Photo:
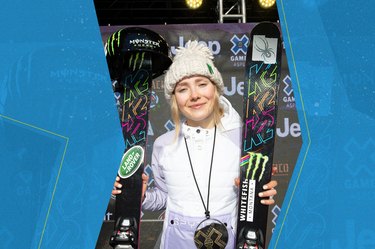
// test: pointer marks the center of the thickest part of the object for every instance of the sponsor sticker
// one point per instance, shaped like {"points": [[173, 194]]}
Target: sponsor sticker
{"points": [[264, 49], [251, 201], [131, 161]]}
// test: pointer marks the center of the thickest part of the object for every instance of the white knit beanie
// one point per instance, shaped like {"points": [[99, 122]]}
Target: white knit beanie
{"points": [[196, 59]]}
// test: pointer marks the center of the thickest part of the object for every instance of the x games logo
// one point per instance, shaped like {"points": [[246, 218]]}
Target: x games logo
{"points": [[239, 44], [239, 50]]}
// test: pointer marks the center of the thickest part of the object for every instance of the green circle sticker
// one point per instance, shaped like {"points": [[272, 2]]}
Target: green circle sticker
{"points": [[131, 161]]}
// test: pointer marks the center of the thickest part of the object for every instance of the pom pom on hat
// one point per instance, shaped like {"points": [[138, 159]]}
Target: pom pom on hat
{"points": [[192, 60]]}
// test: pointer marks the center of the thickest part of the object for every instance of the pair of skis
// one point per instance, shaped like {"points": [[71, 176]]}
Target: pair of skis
{"points": [[135, 56]]}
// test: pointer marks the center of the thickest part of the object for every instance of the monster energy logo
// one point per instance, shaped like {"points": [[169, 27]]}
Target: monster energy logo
{"points": [[111, 41], [145, 43], [115, 40], [256, 162], [137, 58], [256, 166]]}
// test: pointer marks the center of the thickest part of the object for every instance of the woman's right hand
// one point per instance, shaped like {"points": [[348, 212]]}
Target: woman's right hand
{"points": [[117, 186]]}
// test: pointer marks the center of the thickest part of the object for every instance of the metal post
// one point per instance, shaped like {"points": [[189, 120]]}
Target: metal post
{"points": [[228, 12]]}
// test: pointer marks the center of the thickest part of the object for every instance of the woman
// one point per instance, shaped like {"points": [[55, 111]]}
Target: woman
{"points": [[196, 166]]}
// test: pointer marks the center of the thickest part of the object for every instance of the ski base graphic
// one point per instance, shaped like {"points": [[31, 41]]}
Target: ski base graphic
{"points": [[259, 130]]}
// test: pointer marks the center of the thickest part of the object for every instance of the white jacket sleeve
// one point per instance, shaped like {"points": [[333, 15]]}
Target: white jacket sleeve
{"points": [[156, 197]]}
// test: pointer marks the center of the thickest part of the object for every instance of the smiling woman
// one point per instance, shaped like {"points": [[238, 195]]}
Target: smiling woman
{"points": [[195, 167], [193, 86], [195, 98]]}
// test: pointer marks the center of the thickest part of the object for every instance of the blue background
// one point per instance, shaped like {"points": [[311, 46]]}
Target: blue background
{"points": [[59, 135], [59, 131], [330, 49]]}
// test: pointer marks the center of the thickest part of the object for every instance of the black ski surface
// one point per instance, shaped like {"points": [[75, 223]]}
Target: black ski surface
{"points": [[263, 66], [134, 56]]}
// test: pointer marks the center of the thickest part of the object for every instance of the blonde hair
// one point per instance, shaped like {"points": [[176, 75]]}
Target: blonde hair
{"points": [[218, 112]]}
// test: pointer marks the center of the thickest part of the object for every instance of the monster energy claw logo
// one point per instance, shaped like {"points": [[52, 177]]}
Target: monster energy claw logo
{"points": [[138, 58], [254, 165], [131, 161], [111, 42]]}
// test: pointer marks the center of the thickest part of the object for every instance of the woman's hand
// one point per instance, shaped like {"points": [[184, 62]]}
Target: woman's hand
{"points": [[144, 185], [117, 186], [269, 188], [269, 192]]}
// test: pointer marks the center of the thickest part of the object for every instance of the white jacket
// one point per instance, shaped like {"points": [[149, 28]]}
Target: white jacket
{"points": [[175, 188]]}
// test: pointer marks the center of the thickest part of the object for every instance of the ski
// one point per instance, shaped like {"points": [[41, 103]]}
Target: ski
{"points": [[263, 66], [134, 56]]}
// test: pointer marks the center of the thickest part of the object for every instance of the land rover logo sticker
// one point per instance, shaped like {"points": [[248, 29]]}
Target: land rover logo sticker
{"points": [[131, 161]]}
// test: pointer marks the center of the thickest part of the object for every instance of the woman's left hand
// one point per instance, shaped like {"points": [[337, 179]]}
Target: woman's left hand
{"points": [[270, 191]]}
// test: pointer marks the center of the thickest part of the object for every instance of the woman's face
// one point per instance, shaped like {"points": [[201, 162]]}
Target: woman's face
{"points": [[195, 97]]}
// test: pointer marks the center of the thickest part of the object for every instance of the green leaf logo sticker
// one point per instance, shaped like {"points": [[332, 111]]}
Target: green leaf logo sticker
{"points": [[131, 161]]}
